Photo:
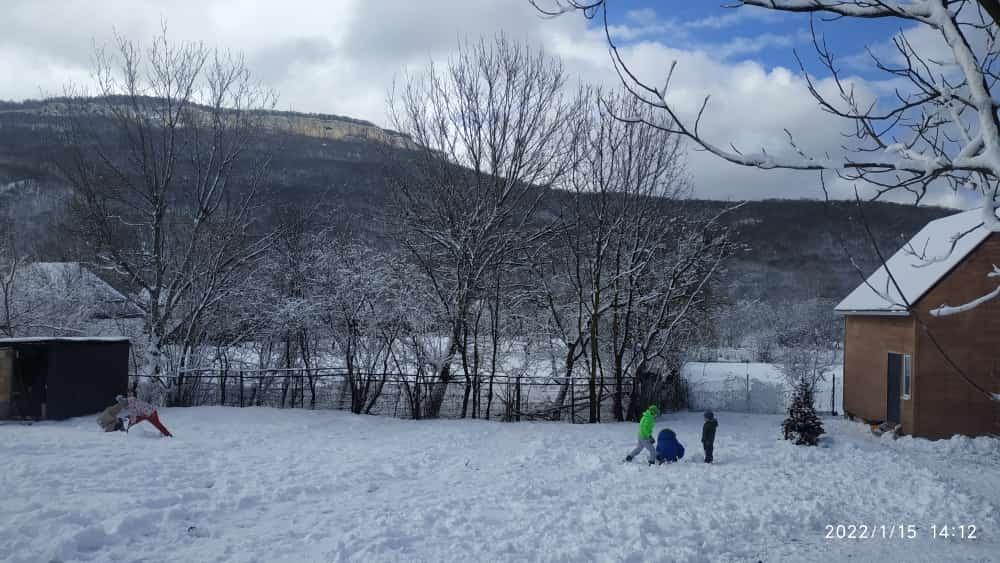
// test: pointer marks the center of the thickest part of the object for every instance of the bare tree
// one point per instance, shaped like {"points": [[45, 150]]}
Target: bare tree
{"points": [[621, 169], [367, 295], [561, 295], [627, 250], [490, 133], [11, 265], [167, 169]]}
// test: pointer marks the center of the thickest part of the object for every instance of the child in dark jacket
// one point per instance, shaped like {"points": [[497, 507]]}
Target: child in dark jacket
{"points": [[708, 435]]}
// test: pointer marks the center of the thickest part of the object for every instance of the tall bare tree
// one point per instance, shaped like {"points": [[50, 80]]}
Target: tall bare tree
{"points": [[167, 170], [490, 129], [629, 268], [621, 174]]}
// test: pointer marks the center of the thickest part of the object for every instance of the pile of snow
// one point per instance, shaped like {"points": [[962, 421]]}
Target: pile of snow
{"points": [[270, 485], [753, 387]]}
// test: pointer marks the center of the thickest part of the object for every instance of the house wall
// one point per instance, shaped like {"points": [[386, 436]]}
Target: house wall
{"points": [[947, 405], [867, 343]]}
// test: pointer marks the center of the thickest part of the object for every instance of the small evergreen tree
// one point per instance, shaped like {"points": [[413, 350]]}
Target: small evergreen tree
{"points": [[802, 424]]}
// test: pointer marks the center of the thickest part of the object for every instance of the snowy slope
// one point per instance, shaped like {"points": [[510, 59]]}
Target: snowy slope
{"points": [[300, 486]]}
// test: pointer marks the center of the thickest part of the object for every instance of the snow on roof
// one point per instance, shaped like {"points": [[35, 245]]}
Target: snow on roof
{"points": [[65, 273], [918, 265], [72, 279], [40, 339]]}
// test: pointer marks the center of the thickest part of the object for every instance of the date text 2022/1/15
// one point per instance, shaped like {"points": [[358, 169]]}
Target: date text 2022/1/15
{"points": [[900, 531]]}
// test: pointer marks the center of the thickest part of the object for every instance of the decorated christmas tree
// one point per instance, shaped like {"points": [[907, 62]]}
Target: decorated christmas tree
{"points": [[802, 424]]}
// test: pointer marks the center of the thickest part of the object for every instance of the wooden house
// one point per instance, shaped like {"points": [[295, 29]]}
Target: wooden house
{"points": [[932, 374]]}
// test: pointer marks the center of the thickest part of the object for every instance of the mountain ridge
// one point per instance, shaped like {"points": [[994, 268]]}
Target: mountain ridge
{"points": [[794, 249]]}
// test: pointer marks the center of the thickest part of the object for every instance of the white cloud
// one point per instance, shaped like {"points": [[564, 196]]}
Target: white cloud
{"points": [[341, 56], [734, 17], [738, 46]]}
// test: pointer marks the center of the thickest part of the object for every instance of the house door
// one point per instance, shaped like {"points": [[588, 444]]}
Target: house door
{"points": [[893, 379], [28, 393]]}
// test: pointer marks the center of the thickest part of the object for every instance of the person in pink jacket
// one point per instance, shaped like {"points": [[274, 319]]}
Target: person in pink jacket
{"points": [[139, 411]]}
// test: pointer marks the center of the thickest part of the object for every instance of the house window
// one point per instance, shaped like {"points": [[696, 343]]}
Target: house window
{"points": [[907, 375]]}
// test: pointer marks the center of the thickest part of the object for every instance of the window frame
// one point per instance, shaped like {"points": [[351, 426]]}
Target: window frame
{"points": [[906, 378]]}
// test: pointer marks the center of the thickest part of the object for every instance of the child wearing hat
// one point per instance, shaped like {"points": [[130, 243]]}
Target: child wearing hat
{"points": [[646, 435]]}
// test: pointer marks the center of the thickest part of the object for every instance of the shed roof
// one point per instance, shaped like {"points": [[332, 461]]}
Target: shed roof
{"points": [[917, 267], [44, 339]]}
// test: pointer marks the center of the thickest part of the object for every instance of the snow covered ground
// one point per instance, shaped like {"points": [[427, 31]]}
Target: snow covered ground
{"points": [[261, 484]]}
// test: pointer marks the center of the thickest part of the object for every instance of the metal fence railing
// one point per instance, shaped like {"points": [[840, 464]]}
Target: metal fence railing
{"points": [[507, 397]]}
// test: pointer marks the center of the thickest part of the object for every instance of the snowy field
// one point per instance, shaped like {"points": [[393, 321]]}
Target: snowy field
{"points": [[271, 485]]}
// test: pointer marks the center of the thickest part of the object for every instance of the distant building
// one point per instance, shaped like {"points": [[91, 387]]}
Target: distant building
{"points": [[67, 299], [900, 360]]}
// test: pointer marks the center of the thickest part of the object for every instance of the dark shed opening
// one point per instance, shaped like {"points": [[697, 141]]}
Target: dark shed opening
{"points": [[57, 378]]}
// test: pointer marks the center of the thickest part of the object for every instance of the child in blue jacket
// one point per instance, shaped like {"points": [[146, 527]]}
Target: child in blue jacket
{"points": [[668, 449]]}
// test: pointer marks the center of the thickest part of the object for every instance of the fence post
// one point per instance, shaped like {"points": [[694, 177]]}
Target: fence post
{"points": [[518, 391], [747, 366], [222, 387], [241, 390], [572, 399], [399, 391]]}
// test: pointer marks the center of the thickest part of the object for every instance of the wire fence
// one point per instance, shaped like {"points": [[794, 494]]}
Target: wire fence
{"points": [[499, 396]]}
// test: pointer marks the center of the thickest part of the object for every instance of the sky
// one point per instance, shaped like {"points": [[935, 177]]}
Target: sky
{"points": [[342, 56]]}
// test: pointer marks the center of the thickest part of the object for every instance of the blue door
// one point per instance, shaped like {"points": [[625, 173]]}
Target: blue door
{"points": [[894, 378]]}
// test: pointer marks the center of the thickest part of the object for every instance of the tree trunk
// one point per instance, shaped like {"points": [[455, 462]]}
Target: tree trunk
{"points": [[440, 386], [594, 363], [570, 362]]}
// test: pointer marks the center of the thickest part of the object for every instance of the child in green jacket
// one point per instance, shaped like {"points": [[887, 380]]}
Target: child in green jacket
{"points": [[646, 435]]}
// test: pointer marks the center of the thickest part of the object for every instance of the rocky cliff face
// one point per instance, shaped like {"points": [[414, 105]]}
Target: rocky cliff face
{"points": [[333, 128], [318, 126]]}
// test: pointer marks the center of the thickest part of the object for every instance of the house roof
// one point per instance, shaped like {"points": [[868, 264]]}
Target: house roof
{"points": [[917, 267], [72, 278], [64, 273]]}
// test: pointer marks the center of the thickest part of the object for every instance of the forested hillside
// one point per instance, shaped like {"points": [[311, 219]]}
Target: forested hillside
{"points": [[790, 250]]}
